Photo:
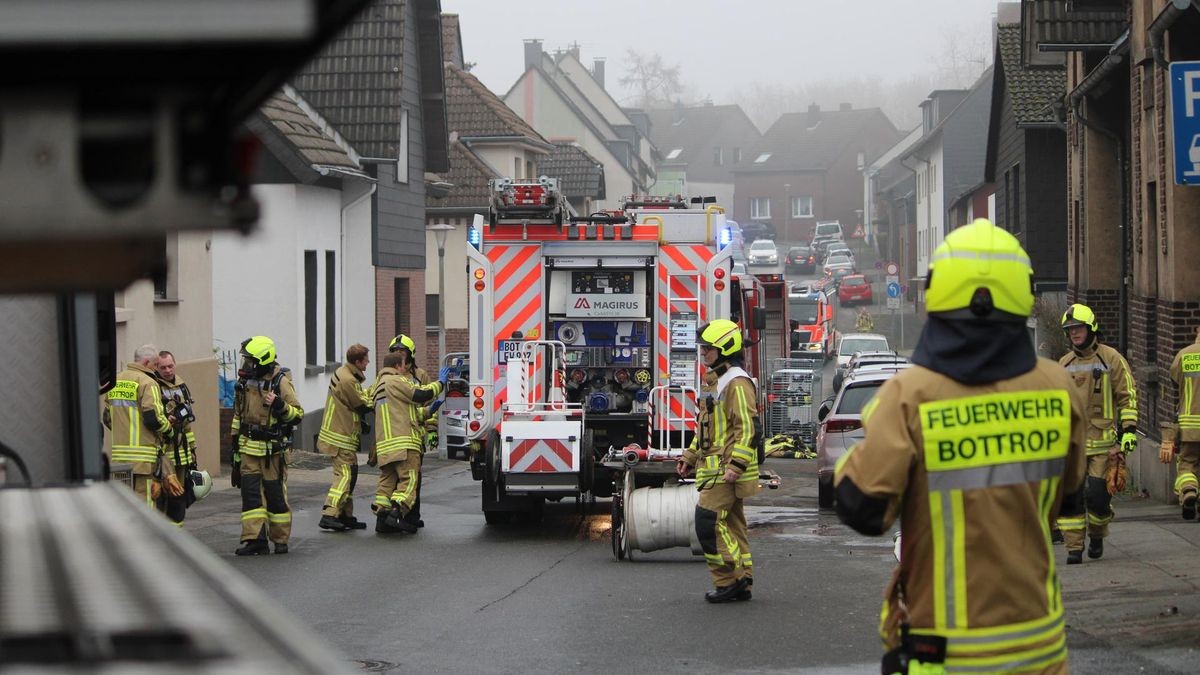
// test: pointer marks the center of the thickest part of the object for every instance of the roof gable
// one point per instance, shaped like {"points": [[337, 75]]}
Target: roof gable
{"points": [[804, 141], [692, 130], [474, 111], [1034, 90], [578, 173], [470, 175]]}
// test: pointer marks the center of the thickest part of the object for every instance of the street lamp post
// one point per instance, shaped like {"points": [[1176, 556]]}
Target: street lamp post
{"points": [[440, 230], [787, 213]]}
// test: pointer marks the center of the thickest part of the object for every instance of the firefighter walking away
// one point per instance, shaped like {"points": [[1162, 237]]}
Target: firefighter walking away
{"points": [[976, 448]]}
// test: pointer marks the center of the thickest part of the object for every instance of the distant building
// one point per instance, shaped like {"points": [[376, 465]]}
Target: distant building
{"points": [[699, 147]]}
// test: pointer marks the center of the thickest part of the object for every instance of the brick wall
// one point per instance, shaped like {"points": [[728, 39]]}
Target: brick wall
{"points": [[457, 340], [405, 314], [1105, 303], [1143, 357]]}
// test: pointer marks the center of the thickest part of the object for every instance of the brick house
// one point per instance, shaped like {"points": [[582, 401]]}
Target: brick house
{"points": [[699, 148], [808, 167], [1131, 235]]}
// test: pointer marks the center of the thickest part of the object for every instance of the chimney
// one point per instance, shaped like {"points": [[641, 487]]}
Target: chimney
{"points": [[533, 53], [845, 106], [573, 50], [814, 114], [598, 71]]}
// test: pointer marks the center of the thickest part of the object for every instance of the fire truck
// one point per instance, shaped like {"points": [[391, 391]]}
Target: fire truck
{"points": [[583, 339]]}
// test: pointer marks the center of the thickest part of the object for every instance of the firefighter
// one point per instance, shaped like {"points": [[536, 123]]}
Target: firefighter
{"points": [[1185, 433], [1102, 377], [180, 448], [339, 437], [429, 416], [265, 410], [399, 438], [134, 412], [724, 455], [975, 449]]}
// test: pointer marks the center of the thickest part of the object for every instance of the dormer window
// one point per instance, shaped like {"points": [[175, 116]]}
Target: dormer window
{"points": [[762, 158]]}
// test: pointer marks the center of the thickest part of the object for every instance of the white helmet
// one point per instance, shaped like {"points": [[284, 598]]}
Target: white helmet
{"points": [[202, 483]]}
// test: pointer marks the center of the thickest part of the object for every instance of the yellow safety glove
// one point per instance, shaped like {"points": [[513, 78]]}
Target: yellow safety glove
{"points": [[1128, 442]]}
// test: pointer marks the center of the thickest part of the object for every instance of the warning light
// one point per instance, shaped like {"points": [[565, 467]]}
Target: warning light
{"points": [[719, 273], [479, 286], [474, 237], [478, 391], [478, 404], [719, 285], [474, 425], [724, 238], [479, 273]]}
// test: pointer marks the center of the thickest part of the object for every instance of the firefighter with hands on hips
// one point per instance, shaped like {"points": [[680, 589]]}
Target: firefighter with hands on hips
{"points": [[140, 428], [724, 455], [180, 448], [975, 448], [400, 410], [265, 409], [1101, 375], [340, 435], [1184, 434]]}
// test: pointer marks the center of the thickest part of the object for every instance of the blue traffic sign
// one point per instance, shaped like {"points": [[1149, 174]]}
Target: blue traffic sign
{"points": [[893, 290], [1185, 108]]}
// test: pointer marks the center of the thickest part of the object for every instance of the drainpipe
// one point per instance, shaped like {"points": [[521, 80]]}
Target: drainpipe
{"points": [[1162, 23], [1108, 65], [342, 248]]}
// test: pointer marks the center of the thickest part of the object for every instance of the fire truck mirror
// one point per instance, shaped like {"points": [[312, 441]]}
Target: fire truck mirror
{"points": [[760, 319]]}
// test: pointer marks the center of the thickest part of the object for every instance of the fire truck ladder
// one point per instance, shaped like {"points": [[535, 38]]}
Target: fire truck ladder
{"points": [[685, 394]]}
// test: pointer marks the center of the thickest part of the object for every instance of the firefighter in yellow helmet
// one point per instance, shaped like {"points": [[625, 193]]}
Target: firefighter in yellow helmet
{"points": [[724, 455], [1102, 377], [140, 428], [265, 411], [339, 436], [400, 401], [976, 448], [1184, 434]]}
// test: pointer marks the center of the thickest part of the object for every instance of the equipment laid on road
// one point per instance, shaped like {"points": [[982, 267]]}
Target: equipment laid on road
{"points": [[792, 392], [583, 342]]}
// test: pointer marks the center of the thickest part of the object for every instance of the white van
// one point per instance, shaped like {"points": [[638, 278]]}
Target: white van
{"points": [[829, 229]]}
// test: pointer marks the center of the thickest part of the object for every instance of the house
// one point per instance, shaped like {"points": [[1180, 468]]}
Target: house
{"points": [[580, 176], [948, 161], [1132, 243], [699, 147], [1027, 154], [562, 99], [890, 205], [304, 277], [808, 167], [379, 84]]}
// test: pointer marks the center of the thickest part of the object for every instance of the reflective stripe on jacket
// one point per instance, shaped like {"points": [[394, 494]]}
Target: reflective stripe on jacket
{"points": [[725, 428], [399, 420], [1185, 372], [341, 424], [1103, 375], [252, 417], [976, 474], [177, 391], [134, 392]]}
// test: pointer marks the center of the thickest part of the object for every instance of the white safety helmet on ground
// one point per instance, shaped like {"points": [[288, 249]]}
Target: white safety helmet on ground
{"points": [[202, 483]]}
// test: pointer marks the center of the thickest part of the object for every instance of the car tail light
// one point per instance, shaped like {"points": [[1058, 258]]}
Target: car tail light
{"points": [[788, 260], [842, 426]]}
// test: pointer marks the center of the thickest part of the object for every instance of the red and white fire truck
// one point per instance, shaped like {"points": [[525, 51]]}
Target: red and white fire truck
{"points": [[583, 339]]}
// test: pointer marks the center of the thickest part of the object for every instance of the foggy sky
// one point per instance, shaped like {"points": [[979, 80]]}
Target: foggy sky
{"points": [[723, 45]]}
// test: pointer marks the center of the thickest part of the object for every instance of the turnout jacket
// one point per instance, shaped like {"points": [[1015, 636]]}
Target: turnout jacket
{"points": [[1185, 373], [1101, 374], [133, 408], [976, 474], [260, 429], [727, 427], [399, 414], [344, 407], [181, 447]]}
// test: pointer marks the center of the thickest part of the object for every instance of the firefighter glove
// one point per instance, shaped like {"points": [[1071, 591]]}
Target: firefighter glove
{"points": [[1166, 451], [1128, 442], [235, 476], [431, 439], [444, 374], [277, 405], [155, 490], [433, 407], [174, 487]]}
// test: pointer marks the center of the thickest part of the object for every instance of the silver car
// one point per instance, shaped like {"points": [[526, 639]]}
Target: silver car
{"points": [[762, 252], [841, 426]]}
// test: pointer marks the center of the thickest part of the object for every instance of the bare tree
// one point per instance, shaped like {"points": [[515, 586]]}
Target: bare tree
{"points": [[963, 58], [652, 80]]}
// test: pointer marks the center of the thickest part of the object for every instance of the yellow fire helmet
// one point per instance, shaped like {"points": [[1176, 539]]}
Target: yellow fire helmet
{"points": [[1080, 315], [722, 334], [979, 268], [402, 342], [260, 349]]}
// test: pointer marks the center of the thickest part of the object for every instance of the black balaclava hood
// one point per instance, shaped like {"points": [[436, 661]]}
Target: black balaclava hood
{"points": [[975, 351]]}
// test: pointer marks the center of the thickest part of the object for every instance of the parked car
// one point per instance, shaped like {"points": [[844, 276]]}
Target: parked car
{"points": [[837, 274], [800, 259], [835, 247], [758, 230], [819, 244], [867, 360], [840, 426], [807, 288], [829, 228], [838, 261], [854, 288], [859, 342], [739, 268], [762, 252]]}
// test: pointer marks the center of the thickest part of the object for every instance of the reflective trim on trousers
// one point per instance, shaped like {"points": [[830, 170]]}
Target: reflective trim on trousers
{"points": [[1186, 481], [260, 512]]}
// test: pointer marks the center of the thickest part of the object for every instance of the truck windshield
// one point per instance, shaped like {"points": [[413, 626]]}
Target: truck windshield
{"points": [[803, 310]]}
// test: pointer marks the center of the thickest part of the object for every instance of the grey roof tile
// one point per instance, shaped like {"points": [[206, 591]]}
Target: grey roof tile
{"points": [[578, 173], [472, 110], [313, 144], [1034, 90], [799, 141], [469, 175]]}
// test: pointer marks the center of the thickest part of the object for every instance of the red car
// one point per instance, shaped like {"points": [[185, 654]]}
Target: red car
{"points": [[854, 288]]}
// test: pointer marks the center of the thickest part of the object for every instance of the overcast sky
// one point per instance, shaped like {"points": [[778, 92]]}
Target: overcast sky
{"points": [[724, 45]]}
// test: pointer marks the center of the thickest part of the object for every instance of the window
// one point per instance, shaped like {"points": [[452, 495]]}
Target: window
{"points": [[529, 169], [737, 155], [760, 208], [166, 284], [674, 153], [802, 207], [762, 158], [402, 155], [331, 355], [1016, 193], [402, 317], [718, 156], [431, 311], [310, 308], [517, 164]]}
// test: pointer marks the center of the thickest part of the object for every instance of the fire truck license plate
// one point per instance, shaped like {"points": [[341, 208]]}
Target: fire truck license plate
{"points": [[510, 349]]}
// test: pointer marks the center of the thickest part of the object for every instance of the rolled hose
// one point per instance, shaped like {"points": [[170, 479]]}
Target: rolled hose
{"points": [[662, 517]]}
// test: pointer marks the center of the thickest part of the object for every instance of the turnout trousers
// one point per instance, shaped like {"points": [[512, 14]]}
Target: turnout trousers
{"points": [[339, 502], [1099, 507], [721, 529], [264, 498], [398, 483], [1185, 468]]}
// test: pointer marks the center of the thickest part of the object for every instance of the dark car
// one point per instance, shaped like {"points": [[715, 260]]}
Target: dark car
{"points": [[752, 231], [800, 259]]}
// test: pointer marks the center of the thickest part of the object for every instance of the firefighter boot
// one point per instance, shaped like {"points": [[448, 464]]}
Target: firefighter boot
{"points": [[352, 523], [1188, 502], [281, 549], [1095, 547], [331, 523], [747, 594], [253, 547], [727, 593], [381, 524], [1074, 557], [399, 522]]}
